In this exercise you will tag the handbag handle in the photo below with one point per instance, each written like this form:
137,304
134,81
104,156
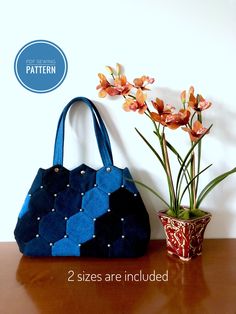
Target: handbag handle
102,137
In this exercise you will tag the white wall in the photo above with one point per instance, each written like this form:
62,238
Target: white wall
179,42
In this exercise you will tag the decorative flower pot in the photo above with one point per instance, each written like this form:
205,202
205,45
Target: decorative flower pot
184,237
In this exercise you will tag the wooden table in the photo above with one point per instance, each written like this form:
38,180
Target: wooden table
205,285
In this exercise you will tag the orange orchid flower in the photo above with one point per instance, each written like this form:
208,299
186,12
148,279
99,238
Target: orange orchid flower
197,103
121,85
161,107
105,87
166,117
172,121
137,103
196,132
143,81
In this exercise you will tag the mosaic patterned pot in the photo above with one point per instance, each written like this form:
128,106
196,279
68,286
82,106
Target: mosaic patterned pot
184,237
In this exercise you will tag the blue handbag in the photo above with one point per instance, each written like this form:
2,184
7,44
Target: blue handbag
83,212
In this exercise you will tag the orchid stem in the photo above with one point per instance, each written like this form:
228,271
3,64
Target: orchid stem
191,121
169,174
193,174
199,155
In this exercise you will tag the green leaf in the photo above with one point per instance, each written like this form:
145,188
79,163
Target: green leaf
186,157
152,148
151,190
184,214
179,158
170,147
189,183
185,169
171,213
212,184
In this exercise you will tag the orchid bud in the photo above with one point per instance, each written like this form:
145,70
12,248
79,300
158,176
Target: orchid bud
109,69
183,97
118,69
191,90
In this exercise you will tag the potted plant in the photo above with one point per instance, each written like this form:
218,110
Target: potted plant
184,225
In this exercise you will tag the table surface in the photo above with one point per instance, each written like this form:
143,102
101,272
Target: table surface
155,283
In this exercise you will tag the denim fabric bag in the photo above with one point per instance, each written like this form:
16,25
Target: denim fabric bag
83,212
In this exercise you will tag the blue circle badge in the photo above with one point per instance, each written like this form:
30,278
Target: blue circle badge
40,66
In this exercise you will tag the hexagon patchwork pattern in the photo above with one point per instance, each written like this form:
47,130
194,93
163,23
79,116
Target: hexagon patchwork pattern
80,228
52,227
65,247
68,202
104,227
83,212
55,181
109,179
95,202
82,178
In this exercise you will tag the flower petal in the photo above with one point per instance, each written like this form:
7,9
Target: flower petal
140,96
127,104
123,80
197,126
193,138
150,80
155,116
186,129
158,105
142,109
112,91
102,76
102,93
184,116
103,80
192,99
173,126
200,98
203,105
191,90
138,82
